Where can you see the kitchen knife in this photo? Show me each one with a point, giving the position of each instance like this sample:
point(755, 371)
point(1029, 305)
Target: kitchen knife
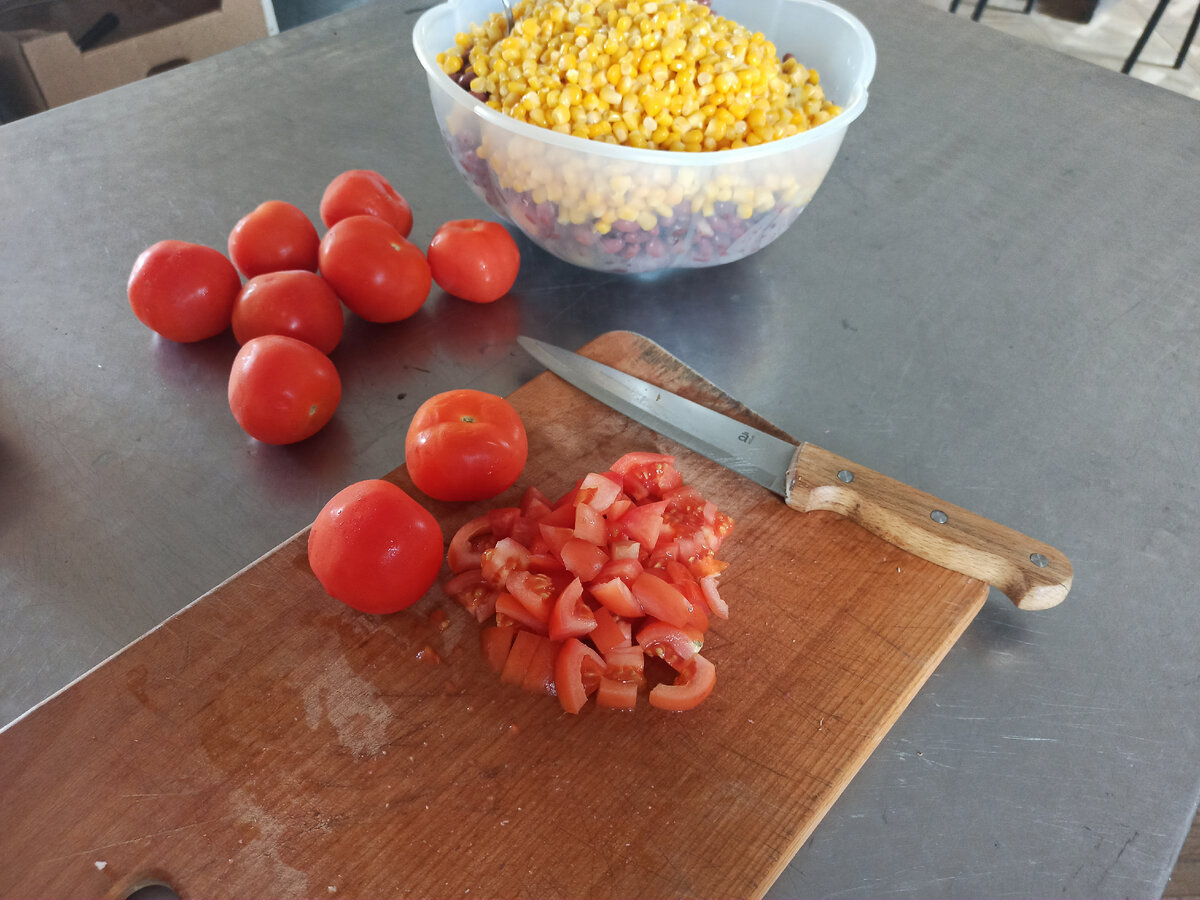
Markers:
point(1032, 574)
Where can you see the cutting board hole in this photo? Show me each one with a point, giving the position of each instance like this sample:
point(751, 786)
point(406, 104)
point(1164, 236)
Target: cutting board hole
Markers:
point(154, 891)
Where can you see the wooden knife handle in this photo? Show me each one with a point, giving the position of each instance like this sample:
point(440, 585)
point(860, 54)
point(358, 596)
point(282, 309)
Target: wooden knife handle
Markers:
point(1031, 574)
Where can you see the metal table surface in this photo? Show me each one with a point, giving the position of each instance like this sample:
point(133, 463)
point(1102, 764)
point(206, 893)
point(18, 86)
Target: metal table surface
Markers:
point(993, 297)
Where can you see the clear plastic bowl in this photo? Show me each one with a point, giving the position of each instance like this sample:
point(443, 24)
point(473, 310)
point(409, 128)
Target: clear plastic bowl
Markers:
point(550, 185)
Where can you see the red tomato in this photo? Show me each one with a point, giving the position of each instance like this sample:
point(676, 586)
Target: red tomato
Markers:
point(274, 237)
point(375, 548)
point(377, 272)
point(183, 291)
point(297, 303)
point(362, 192)
point(474, 259)
point(282, 390)
point(465, 445)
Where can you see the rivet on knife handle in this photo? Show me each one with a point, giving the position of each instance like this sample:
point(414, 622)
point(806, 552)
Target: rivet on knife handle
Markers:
point(1031, 574)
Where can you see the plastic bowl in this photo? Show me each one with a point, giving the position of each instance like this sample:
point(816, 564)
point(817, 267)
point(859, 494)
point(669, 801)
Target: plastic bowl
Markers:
point(551, 185)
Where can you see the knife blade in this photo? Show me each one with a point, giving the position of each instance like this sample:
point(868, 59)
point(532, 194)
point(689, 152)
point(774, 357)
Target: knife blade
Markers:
point(1031, 573)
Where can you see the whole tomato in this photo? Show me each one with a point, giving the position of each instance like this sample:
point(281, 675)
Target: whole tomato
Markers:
point(183, 291)
point(362, 192)
point(282, 390)
point(465, 445)
point(375, 548)
point(474, 259)
point(274, 237)
point(377, 272)
point(298, 303)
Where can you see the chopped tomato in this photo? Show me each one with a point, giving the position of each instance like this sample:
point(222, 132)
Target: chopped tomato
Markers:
point(534, 504)
point(571, 617)
point(642, 523)
point(616, 597)
point(712, 596)
point(583, 559)
point(474, 593)
point(614, 694)
point(468, 544)
point(661, 599)
point(539, 675)
point(496, 641)
point(500, 561)
point(610, 631)
point(590, 525)
point(647, 474)
point(697, 677)
point(577, 672)
point(568, 580)
point(625, 664)
point(624, 568)
point(511, 611)
point(599, 491)
point(524, 645)
point(555, 536)
point(535, 592)
point(671, 644)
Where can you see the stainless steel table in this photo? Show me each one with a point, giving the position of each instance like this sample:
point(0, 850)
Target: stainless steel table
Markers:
point(994, 297)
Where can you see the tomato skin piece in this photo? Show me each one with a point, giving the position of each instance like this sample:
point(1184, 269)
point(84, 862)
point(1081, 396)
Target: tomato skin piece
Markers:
point(502, 560)
point(583, 559)
point(375, 548)
point(599, 492)
point(474, 260)
point(577, 672)
point(571, 617)
point(539, 674)
point(182, 291)
point(712, 596)
point(364, 192)
point(673, 645)
point(661, 600)
point(495, 641)
point(615, 596)
point(627, 569)
point(273, 237)
point(625, 664)
point(535, 592)
point(642, 523)
point(648, 474)
point(590, 525)
point(282, 390)
point(465, 445)
point(610, 631)
point(473, 593)
point(524, 645)
point(468, 544)
point(695, 682)
point(614, 694)
point(511, 611)
point(298, 303)
point(379, 274)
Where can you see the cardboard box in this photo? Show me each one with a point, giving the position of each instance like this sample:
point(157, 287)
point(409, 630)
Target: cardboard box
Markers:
point(57, 52)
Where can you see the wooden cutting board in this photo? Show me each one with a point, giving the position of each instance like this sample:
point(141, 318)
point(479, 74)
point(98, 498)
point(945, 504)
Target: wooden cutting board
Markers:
point(267, 741)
